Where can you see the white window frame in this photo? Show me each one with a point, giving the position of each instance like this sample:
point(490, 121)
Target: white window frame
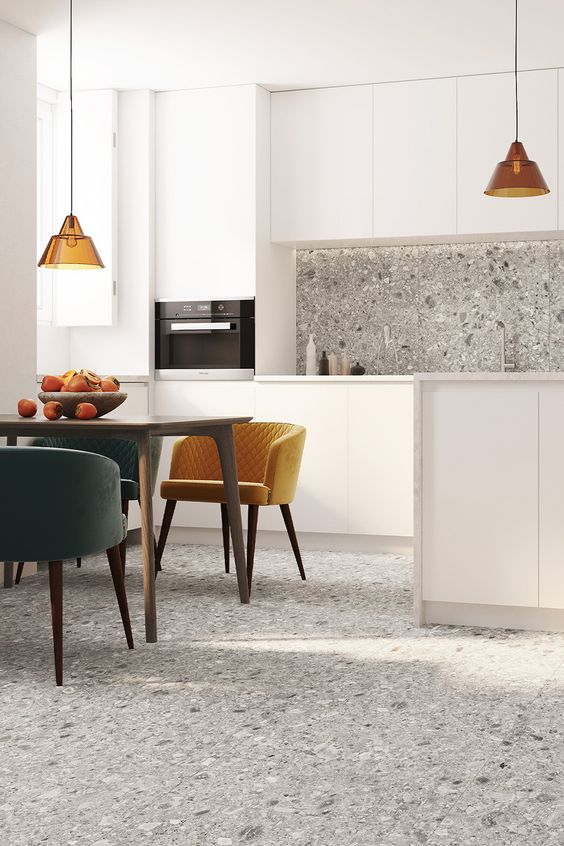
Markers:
point(45, 201)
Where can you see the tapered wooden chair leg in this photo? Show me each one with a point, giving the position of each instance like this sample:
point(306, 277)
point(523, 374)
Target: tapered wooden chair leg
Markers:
point(289, 523)
point(165, 528)
point(225, 530)
point(123, 544)
point(251, 541)
point(114, 560)
point(19, 572)
point(158, 567)
point(56, 591)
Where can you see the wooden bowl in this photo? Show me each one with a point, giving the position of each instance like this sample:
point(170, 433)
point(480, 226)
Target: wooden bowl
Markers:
point(105, 401)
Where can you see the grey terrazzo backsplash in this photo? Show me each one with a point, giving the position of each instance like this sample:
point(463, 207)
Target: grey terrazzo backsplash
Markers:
point(442, 303)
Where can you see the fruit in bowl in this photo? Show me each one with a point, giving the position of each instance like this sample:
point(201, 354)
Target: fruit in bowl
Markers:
point(53, 410)
point(81, 394)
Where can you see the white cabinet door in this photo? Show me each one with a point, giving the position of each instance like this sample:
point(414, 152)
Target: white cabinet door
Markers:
point(206, 193)
point(415, 158)
point(486, 128)
point(480, 496)
point(198, 398)
point(321, 164)
point(551, 498)
point(380, 451)
point(321, 500)
point(560, 136)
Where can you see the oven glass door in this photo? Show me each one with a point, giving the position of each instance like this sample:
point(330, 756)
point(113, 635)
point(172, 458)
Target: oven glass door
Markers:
point(199, 343)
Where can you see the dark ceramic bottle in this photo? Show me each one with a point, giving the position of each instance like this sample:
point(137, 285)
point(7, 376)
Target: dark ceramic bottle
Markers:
point(324, 364)
point(357, 369)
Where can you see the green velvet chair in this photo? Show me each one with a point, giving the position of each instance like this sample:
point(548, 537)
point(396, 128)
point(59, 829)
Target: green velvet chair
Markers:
point(57, 504)
point(124, 453)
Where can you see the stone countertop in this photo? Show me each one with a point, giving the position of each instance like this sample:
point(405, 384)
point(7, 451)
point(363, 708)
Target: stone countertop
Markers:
point(357, 380)
point(530, 376)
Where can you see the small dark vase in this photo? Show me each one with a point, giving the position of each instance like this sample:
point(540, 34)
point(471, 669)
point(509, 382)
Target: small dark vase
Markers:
point(324, 364)
point(357, 369)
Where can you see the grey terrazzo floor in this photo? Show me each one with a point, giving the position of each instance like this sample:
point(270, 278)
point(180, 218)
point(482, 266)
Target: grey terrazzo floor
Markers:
point(316, 716)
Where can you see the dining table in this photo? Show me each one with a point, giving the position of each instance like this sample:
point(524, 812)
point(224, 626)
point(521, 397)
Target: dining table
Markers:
point(140, 429)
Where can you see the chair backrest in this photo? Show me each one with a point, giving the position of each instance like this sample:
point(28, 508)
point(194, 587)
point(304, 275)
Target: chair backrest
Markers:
point(258, 458)
point(57, 504)
point(123, 452)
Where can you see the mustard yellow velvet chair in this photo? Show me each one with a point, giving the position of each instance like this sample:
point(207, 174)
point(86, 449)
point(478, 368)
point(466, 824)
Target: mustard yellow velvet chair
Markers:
point(268, 464)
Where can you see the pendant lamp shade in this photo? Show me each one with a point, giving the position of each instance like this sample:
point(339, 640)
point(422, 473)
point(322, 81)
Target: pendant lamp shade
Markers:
point(71, 249)
point(517, 176)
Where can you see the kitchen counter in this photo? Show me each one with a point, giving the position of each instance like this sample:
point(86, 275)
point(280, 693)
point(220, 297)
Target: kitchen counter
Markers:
point(530, 376)
point(357, 380)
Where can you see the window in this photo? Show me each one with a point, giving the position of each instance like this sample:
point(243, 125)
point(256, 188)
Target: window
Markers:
point(45, 203)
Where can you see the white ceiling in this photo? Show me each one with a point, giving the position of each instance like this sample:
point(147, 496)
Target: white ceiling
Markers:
point(168, 44)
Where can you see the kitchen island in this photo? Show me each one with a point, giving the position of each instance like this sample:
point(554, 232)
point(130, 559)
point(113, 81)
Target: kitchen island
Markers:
point(489, 499)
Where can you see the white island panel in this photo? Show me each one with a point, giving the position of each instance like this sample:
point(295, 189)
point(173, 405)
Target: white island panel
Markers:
point(551, 494)
point(479, 487)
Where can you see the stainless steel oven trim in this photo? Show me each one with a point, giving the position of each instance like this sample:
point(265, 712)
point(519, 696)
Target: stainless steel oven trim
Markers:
point(193, 326)
point(210, 300)
point(189, 375)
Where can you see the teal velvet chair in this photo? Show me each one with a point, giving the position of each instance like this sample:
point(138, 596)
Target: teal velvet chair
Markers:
point(124, 453)
point(57, 504)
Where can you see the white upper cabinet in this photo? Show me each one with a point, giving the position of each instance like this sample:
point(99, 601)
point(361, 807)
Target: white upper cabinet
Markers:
point(415, 158)
point(87, 297)
point(206, 193)
point(321, 164)
point(560, 136)
point(486, 128)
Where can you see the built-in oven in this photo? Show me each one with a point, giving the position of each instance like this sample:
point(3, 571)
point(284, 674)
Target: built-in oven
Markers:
point(205, 339)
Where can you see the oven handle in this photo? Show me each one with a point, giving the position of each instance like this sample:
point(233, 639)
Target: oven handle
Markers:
point(198, 327)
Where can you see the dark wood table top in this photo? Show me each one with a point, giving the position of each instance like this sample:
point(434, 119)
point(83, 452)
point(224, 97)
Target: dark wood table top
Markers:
point(155, 424)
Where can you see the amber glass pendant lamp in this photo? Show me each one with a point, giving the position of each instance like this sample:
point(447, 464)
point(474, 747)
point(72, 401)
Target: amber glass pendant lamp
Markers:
point(517, 175)
point(71, 249)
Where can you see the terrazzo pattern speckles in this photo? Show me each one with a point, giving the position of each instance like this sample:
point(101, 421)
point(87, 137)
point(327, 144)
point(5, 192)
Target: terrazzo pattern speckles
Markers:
point(442, 303)
point(316, 716)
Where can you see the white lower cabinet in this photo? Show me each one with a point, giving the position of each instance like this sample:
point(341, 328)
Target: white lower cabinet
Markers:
point(357, 470)
point(198, 398)
point(380, 460)
point(480, 499)
point(321, 499)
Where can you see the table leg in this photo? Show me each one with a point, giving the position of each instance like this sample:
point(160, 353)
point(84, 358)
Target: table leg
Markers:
point(223, 437)
point(11, 440)
point(147, 533)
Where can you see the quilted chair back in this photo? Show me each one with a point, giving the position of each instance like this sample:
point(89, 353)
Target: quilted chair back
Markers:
point(123, 452)
point(47, 514)
point(267, 453)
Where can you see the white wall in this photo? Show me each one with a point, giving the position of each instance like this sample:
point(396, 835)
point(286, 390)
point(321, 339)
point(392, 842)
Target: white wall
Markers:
point(17, 215)
point(125, 347)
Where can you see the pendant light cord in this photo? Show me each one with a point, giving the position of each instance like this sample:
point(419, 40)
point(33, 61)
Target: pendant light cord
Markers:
point(71, 116)
point(516, 93)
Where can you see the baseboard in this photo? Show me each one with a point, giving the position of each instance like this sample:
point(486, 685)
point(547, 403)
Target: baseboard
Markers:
point(493, 616)
point(318, 541)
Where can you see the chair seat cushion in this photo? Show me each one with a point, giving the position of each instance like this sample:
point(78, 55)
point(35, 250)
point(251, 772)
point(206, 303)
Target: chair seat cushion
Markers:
point(195, 490)
point(129, 489)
